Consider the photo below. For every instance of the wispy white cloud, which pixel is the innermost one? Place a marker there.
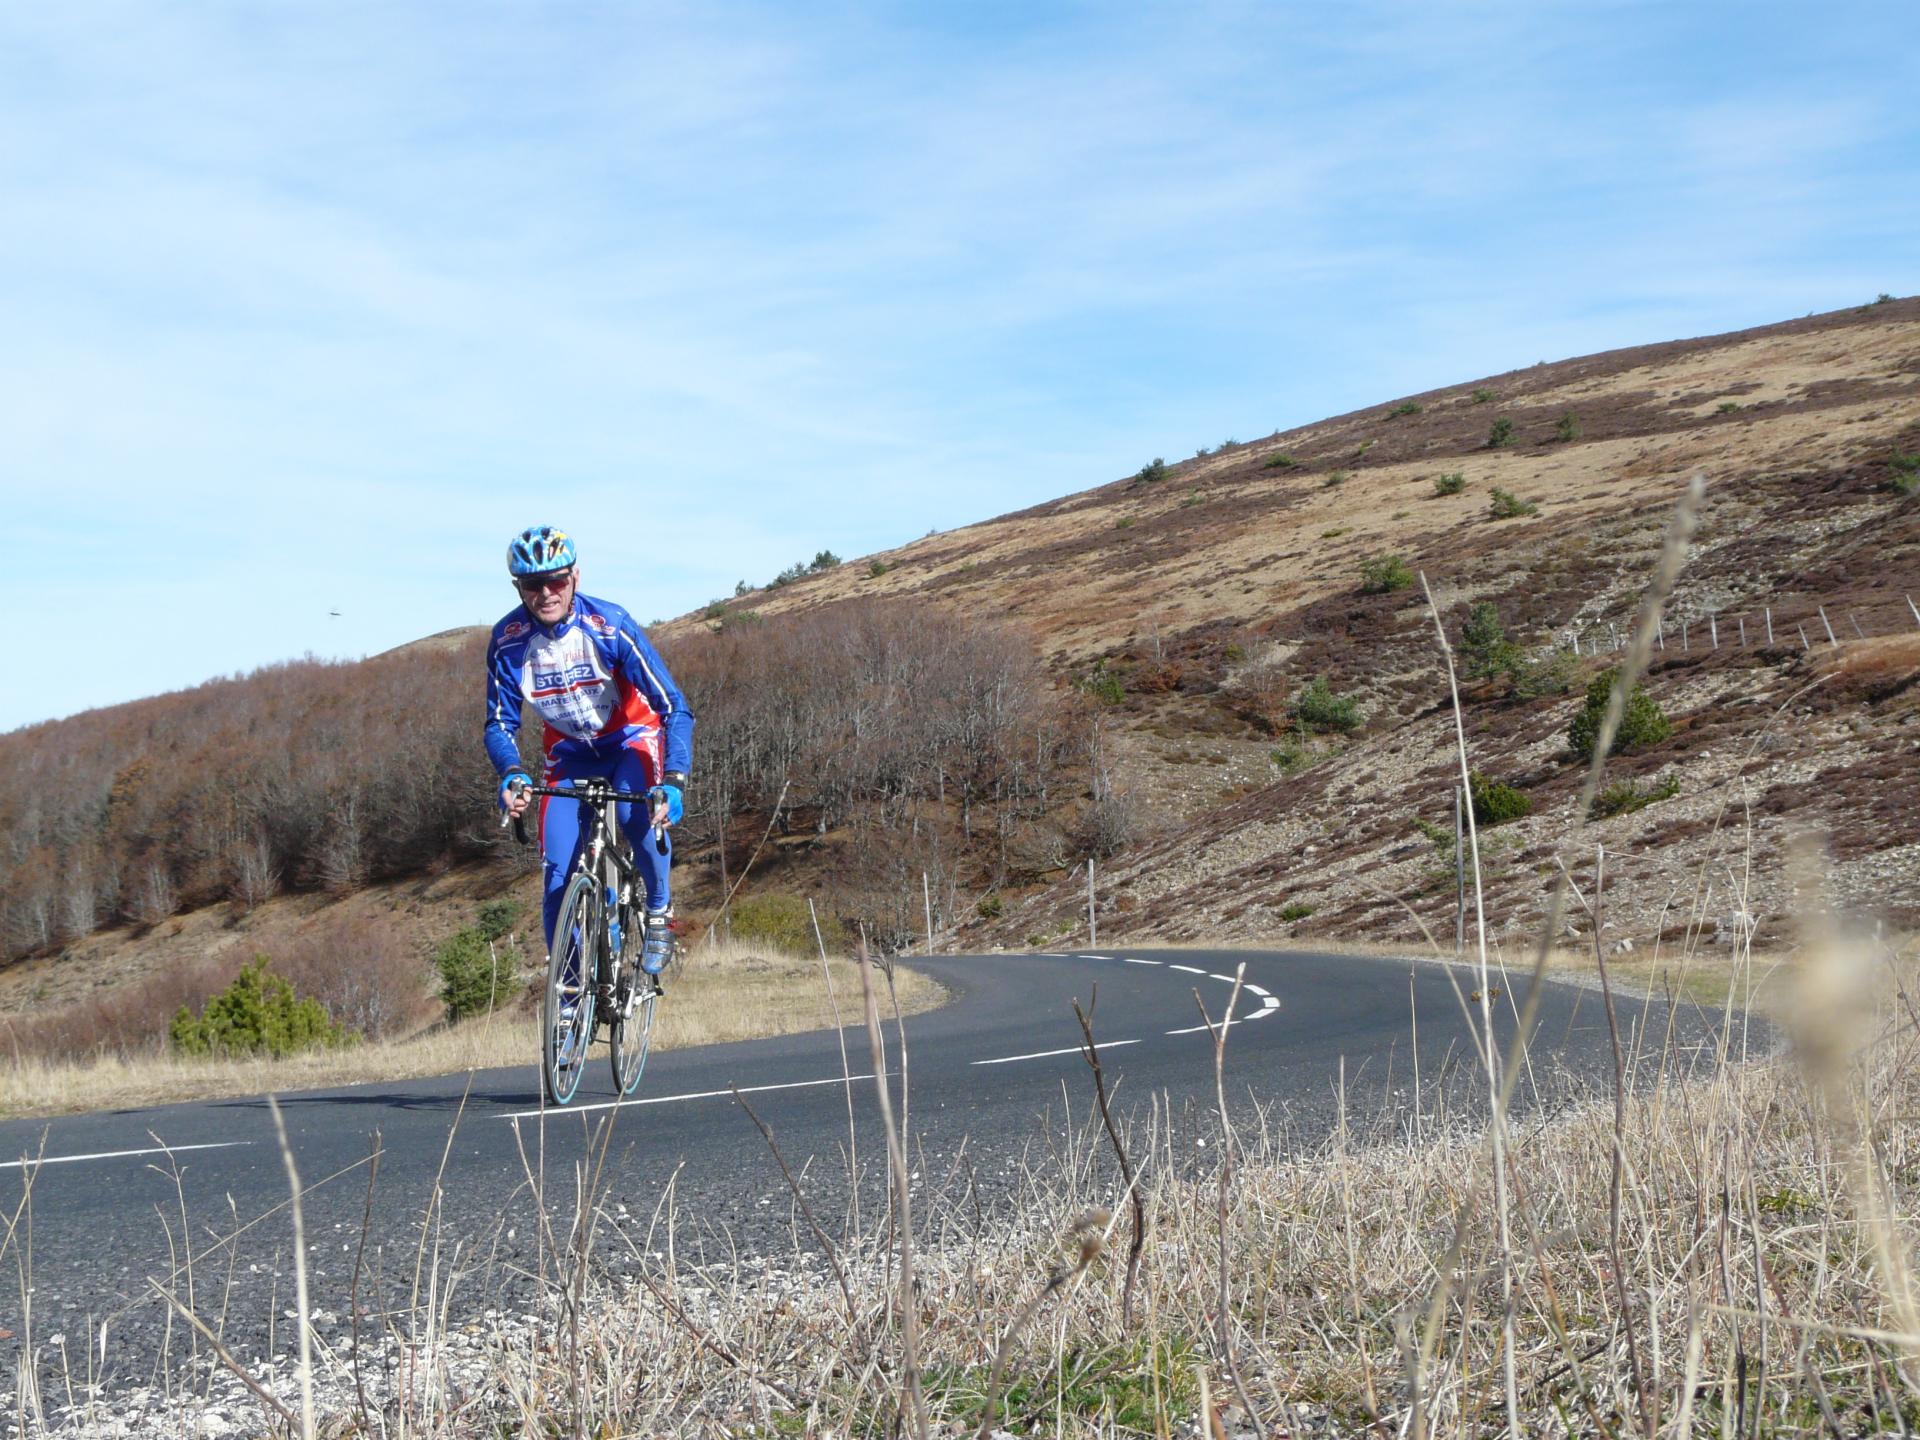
(296, 294)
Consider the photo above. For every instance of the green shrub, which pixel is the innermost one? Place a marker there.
(1551, 674)
(1494, 802)
(1501, 434)
(1154, 470)
(1125, 522)
(1482, 397)
(991, 907)
(1318, 708)
(1906, 472)
(1290, 754)
(1384, 573)
(258, 1014)
(1626, 797)
(1642, 724)
(497, 918)
(824, 560)
(1406, 408)
(1282, 461)
(1295, 910)
(1193, 498)
(1336, 477)
(1484, 648)
(783, 922)
(1567, 427)
(1451, 483)
(877, 568)
(1363, 447)
(1726, 407)
(1104, 685)
(477, 973)
(1504, 505)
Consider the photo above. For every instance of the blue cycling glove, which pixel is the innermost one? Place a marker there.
(508, 781)
(675, 808)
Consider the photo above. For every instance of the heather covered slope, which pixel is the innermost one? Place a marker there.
(1201, 602)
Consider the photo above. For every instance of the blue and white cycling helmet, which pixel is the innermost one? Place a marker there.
(539, 549)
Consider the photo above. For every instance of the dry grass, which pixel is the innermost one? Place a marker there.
(723, 992)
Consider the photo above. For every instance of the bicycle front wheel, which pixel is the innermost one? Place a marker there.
(567, 1017)
(632, 1032)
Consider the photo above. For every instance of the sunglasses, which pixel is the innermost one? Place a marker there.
(534, 584)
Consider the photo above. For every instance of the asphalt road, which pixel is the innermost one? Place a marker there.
(119, 1198)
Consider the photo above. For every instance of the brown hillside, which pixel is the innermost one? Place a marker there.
(1212, 594)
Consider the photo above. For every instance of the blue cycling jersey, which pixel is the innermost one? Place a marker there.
(597, 682)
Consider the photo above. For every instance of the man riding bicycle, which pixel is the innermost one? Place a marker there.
(610, 711)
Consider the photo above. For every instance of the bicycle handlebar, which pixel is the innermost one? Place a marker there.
(591, 792)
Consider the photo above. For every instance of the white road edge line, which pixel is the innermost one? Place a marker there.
(560, 1112)
(1190, 969)
(1043, 1054)
(1131, 961)
(1089, 955)
(121, 1154)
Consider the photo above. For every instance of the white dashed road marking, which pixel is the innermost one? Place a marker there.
(1043, 1054)
(560, 1112)
(119, 1154)
(1191, 969)
(1131, 961)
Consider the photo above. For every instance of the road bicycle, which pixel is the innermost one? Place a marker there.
(594, 977)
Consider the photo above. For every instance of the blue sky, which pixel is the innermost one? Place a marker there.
(308, 306)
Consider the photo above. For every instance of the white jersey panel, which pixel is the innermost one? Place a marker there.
(564, 678)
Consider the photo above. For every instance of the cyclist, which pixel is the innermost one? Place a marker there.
(611, 712)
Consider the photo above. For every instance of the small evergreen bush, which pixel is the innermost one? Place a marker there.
(991, 907)
(1282, 461)
(1104, 685)
(258, 1014)
(1505, 505)
(1451, 483)
(1318, 708)
(1626, 797)
(1335, 477)
(497, 918)
(1154, 470)
(1643, 723)
(1482, 397)
(1406, 408)
(1906, 472)
(1567, 427)
(478, 974)
(1501, 434)
(1494, 802)
(1484, 648)
(1383, 574)
(877, 568)
(1295, 910)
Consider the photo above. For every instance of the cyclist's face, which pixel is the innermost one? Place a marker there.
(548, 597)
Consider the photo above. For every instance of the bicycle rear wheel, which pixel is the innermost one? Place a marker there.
(567, 1017)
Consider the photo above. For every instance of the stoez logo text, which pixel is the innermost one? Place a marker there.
(557, 679)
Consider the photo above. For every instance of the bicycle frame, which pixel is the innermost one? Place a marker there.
(610, 891)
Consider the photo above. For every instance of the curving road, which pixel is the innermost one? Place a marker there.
(114, 1194)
